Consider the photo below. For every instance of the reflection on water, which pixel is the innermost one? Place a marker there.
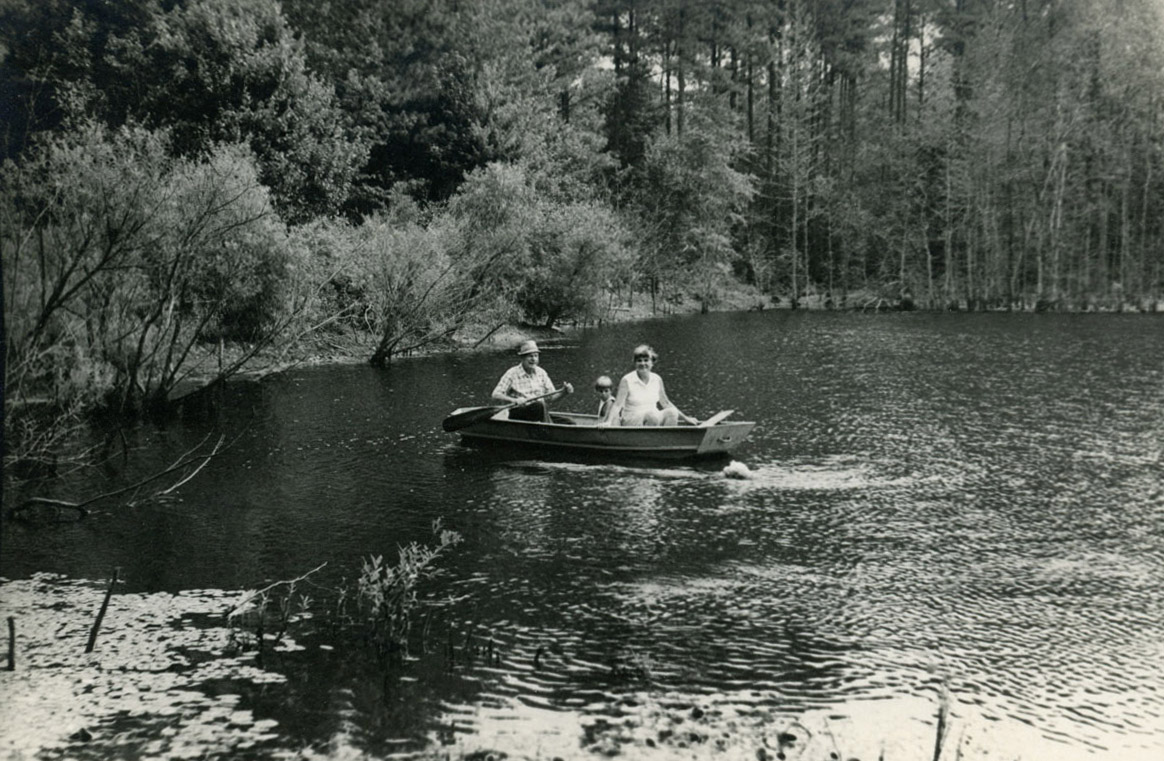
(157, 683)
(969, 503)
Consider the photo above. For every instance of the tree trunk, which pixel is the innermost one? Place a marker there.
(680, 66)
(667, 64)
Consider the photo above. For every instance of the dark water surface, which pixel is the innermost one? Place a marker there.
(969, 503)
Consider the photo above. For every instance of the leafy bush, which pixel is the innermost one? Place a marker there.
(577, 249)
(118, 260)
(553, 257)
(400, 279)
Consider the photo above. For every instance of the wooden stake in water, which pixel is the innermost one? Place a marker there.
(101, 613)
(943, 718)
(11, 643)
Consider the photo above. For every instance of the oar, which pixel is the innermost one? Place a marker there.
(459, 420)
(715, 418)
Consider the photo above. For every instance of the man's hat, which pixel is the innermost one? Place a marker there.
(527, 347)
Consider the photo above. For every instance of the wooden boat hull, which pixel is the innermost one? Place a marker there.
(572, 432)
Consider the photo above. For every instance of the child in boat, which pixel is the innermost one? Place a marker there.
(604, 387)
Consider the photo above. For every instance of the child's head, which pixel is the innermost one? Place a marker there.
(603, 385)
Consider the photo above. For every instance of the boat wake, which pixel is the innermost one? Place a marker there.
(827, 473)
(669, 473)
(818, 475)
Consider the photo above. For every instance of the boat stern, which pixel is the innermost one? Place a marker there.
(724, 437)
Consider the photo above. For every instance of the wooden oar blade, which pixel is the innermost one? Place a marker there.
(716, 418)
(459, 420)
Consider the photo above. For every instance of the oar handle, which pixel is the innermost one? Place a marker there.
(716, 418)
(522, 402)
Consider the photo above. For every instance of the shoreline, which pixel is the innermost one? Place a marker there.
(319, 351)
(505, 335)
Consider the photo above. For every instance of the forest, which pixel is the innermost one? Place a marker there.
(191, 183)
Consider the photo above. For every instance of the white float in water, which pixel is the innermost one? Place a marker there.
(736, 470)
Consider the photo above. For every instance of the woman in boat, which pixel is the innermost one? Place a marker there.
(526, 380)
(642, 398)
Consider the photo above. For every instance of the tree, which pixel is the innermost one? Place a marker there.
(691, 199)
(209, 72)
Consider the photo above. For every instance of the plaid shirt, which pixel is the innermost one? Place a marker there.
(517, 382)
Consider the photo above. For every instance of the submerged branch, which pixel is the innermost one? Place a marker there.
(201, 465)
(183, 461)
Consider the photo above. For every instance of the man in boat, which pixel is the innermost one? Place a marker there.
(527, 380)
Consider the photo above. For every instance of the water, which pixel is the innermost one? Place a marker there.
(967, 505)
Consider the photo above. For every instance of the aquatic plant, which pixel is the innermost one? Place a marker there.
(387, 594)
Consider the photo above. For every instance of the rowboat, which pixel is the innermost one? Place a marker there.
(576, 432)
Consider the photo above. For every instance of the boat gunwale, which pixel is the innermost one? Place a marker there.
(686, 441)
(589, 417)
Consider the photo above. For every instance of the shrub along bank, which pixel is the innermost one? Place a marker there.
(130, 273)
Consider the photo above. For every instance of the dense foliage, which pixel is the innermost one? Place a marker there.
(185, 172)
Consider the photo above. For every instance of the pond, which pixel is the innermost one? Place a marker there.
(942, 509)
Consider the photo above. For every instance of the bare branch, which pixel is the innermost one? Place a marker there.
(241, 605)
